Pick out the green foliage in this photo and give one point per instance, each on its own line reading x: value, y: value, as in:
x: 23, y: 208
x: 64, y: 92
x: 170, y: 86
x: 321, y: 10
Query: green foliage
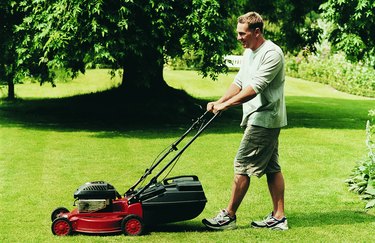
x: 362, y: 179
x: 291, y: 24
x: 9, y: 71
x: 125, y: 34
x: 354, y: 24
x: 334, y: 70
x: 210, y: 34
x: 188, y: 61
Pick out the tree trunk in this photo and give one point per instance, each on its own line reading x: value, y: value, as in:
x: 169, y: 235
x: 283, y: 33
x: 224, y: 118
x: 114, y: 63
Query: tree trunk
x: 11, y: 94
x: 144, y: 71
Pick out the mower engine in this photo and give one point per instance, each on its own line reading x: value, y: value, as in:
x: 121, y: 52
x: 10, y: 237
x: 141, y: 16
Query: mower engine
x: 95, y: 196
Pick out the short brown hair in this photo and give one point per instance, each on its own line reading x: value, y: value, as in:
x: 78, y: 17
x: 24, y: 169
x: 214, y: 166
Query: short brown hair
x: 253, y: 19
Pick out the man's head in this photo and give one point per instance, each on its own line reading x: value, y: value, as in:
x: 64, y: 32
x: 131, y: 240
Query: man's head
x: 250, y: 30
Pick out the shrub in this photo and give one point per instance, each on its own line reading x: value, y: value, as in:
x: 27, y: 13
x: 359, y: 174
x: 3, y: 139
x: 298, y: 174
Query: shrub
x: 333, y: 70
x: 362, y: 179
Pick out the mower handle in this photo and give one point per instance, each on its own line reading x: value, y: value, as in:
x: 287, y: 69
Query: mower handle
x: 199, y: 120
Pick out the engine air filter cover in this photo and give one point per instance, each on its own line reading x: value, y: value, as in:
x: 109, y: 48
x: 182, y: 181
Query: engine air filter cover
x: 95, y: 190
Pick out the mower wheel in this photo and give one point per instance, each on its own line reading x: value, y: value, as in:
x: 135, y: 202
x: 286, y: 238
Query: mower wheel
x: 62, y: 227
x: 55, y: 213
x: 132, y: 225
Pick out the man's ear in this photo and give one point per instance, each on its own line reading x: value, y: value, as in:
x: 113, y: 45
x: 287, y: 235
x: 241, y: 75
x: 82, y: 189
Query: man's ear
x: 257, y: 32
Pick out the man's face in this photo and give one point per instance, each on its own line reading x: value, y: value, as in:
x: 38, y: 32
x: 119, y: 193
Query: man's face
x: 246, y: 36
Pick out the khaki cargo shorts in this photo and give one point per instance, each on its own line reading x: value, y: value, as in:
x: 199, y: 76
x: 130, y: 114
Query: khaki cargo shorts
x: 258, y: 152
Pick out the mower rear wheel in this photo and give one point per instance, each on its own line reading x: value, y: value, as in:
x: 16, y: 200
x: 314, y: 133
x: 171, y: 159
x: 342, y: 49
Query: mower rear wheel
x: 132, y: 225
x: 55, y: 213
x: 62, y: 227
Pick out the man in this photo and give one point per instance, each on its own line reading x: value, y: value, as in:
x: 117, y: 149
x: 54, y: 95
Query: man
x: 259, y: 87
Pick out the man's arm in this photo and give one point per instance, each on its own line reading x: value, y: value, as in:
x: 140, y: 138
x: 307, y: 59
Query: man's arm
x: 242, y: 96
x: 271, y: 65
x: 231, y: 92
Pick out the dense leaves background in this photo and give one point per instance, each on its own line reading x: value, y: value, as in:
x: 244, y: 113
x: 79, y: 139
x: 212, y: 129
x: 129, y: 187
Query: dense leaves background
x: 42, y: 37
x: 126, y: 34
x: 353, y: 33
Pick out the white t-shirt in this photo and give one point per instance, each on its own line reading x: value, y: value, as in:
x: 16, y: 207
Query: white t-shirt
x: 263, y: 70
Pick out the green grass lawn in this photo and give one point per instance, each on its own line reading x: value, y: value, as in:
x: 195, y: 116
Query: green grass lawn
x: 41, y: 165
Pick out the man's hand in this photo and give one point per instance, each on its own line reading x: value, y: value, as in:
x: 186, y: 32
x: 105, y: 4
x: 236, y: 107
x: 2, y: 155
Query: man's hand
x: 210, y: 106
x: 215, y: 107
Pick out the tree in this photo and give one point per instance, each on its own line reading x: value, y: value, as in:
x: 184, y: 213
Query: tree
x: 133, y: 35
x: 354, y: 23
x: 10, y: 17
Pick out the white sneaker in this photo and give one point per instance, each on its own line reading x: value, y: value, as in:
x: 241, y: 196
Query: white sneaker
x: 271, y: 223
x: 222, y: 221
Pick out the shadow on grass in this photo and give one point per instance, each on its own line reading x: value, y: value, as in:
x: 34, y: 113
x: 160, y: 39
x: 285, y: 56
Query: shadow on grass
x: 185, y: 226
x: 319, y: 219
x: 178, y: 227
x: 296, y: 221
x: 316, y: 112
x: 116, y: 111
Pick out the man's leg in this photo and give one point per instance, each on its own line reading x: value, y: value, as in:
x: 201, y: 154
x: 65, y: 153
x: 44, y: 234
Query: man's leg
x: 276, y: 187
x: 239, y: 188
x: 226, y: 219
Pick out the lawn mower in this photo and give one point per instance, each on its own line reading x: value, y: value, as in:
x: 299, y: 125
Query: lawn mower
x: 101, y: 209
